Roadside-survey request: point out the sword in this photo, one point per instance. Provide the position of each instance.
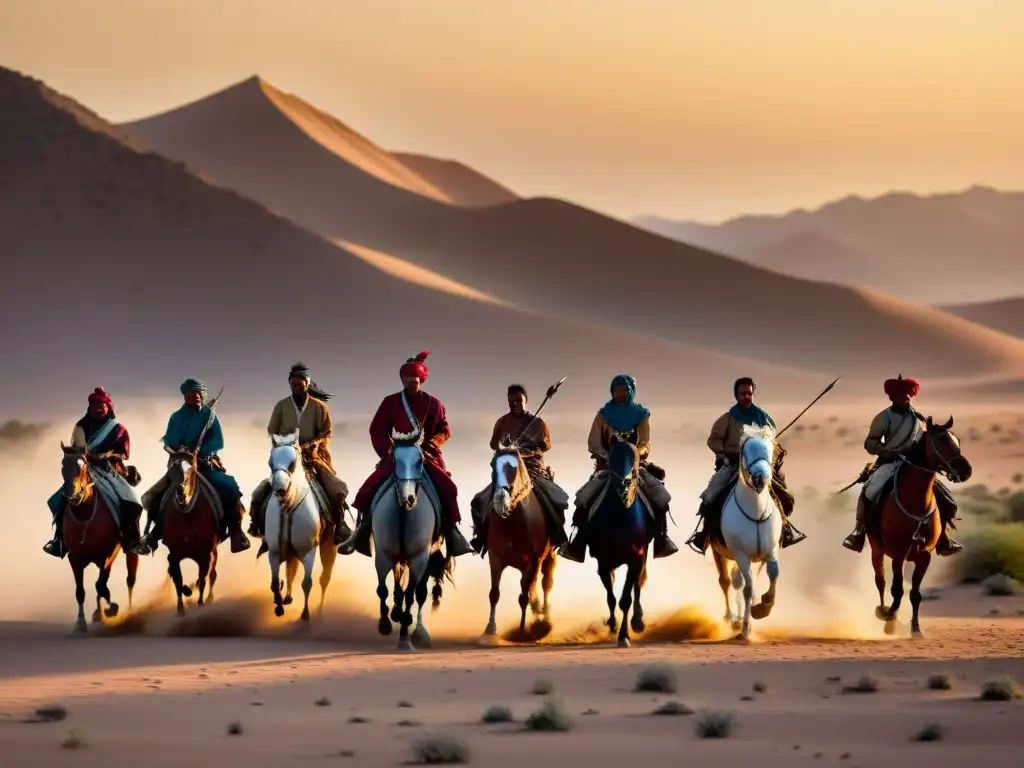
(550, 393)
(805, 410)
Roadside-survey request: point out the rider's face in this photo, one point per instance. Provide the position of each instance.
(621, 393)
(193, 399)
(901, 400)
(517, 404)
(411, 384)
(99, 410)
(745, 396)
(298, 385)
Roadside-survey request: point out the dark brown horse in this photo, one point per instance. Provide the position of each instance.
(909, 527)
(191, 528)
(90, 534)
(517, 537)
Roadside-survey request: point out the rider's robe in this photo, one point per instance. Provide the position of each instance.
(599, 442)
(313, 421)
(430, 413)
(183, 429)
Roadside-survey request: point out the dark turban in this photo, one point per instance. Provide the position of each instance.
(193, 385)
(301, 370)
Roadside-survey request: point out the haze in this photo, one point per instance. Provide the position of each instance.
(697, 110)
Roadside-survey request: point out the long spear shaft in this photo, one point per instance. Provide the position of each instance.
(805, 410)
(550, 393)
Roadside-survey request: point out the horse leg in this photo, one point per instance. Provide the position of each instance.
(896, 590)
(417, 573)
(383, 569)
(921, 564)
(203, 566)
(608, 579)
(213, 575)
(398, 595)
(274, 558)
(626, 601)
(744, 564)
(291, 567)
(103, 594)
(174, 571)
(878, 565)
(78, 569)
(764, 608)
(131, 560)
(308, 563)
(497, 568)
(328, 554)
(548, 582)
(725, 584)
(420, 636)
(527, 588)
(637, 622)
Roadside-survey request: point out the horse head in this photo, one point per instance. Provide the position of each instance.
(623, 468)
(509, 478)
(407, 457)
(183, 472)
(284, 464)
(75, 474)
(757, 457)
(942, 451)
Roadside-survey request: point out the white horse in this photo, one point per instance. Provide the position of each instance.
(293, 527)
(403, 523)
(751, 529)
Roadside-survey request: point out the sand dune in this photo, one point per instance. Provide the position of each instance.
(944, 248)
(135, 273)
(554, 257)
(1006, 315)
(461, 184)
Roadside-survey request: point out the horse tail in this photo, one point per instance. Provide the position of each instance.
(439, 568)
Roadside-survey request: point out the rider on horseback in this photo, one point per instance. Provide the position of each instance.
(891, 434)
(304, 410)
(405, 412)
(724, 442)
(99, 432)
(623, 415)
(184, 429)
(533, 439)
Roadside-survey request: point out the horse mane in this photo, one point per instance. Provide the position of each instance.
(407, 438)
(762, 433)
(291, 439)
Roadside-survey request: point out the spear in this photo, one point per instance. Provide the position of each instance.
(550, 393)
(805, 410)
(209, 422)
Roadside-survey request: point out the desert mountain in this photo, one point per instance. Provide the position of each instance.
(1006, 315)
(557, 258)
(461, 184)
(944, 248)
(134, 273)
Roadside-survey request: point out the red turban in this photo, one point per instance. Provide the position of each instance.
(99, 395)
(415, 366)
(900, 386)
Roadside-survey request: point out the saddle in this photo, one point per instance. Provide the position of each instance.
(203, 486)
(425, 486)
(596, 503)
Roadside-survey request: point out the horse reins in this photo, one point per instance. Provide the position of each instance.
(920, 519)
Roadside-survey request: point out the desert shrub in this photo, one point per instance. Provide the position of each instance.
(1000, 689)
(867, 684)
(1015, 507)
(714, 724)
(673, 708)
(933, 732)
(1000, 585)
(940, 682)
(543, 687)
(496, 713)
(992, 550)
(440, 749)
(552, 716)
(659, 678)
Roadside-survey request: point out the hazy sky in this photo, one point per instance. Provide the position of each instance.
(686, 108)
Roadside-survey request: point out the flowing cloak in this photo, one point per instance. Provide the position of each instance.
(183, 429)
(314, 423)
(391, 414)
(107, 435)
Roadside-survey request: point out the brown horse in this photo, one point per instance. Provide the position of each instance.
(192, 530)
(90, 534)
(909, 527)
(517, 537)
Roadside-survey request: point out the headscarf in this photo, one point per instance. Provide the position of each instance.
(193, 385)
(415, 366)
(754, 416)
(99, 395)
(623, 417)
(301, 370)
(900, 386)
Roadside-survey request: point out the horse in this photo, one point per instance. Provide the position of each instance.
(751, 530)
(90, 535)
(517, 535)
(403, 525)
(294, 528)
(192, 528)
(910, 527)
(621, 532)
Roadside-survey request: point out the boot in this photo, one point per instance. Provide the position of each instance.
(359, 541)
(947, 546)
(55, 546)
(556, 531)
(575, 549)
(455, 542)
(663, 545)
(147, 544)
(700, 539)
(855, 541)
(341, 530)
(130, 536)
(239, 542)
(479, 540)
(790, 535)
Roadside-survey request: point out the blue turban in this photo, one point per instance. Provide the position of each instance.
(193, 385)
(623, 417)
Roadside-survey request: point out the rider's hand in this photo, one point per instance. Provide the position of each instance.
(886, 453)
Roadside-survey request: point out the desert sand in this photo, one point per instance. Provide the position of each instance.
(1006, 315)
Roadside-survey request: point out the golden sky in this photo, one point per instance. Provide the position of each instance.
(686, 108)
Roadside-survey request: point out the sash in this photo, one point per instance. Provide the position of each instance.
(906, 432)
(102, 435)
(410, 415)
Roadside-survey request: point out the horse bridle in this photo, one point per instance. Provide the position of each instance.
(950, 473)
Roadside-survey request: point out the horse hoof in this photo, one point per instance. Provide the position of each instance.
(541, 628)
(404, 646)
(637, 625)
(761, 610)
(186, 591)
(491, 630)
(279, 610)
(890, 627)
(287, 600)
(96, 617)
(112, 610)
(736, 625)
(916, 633)
(613, 627)
(624, 642)
(81, 627)
(882, 613)
(384, 626)
(305, 615)
(421, 638)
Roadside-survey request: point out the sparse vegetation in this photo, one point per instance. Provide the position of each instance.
(760, 687)
(408, 723)
(714, 724)
(992, 550)
(358, 720)
(440, 749)
(933, 732)
(74, 740)
(403, 704)
(658, 678)
(496, 713)
(866, 684)
(1000, 689)
(234, 729)
(1000, 585)
(940, 682)
(543, 687)
(323, 701)
(552, 716)
(676, 708)
(51, 713)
